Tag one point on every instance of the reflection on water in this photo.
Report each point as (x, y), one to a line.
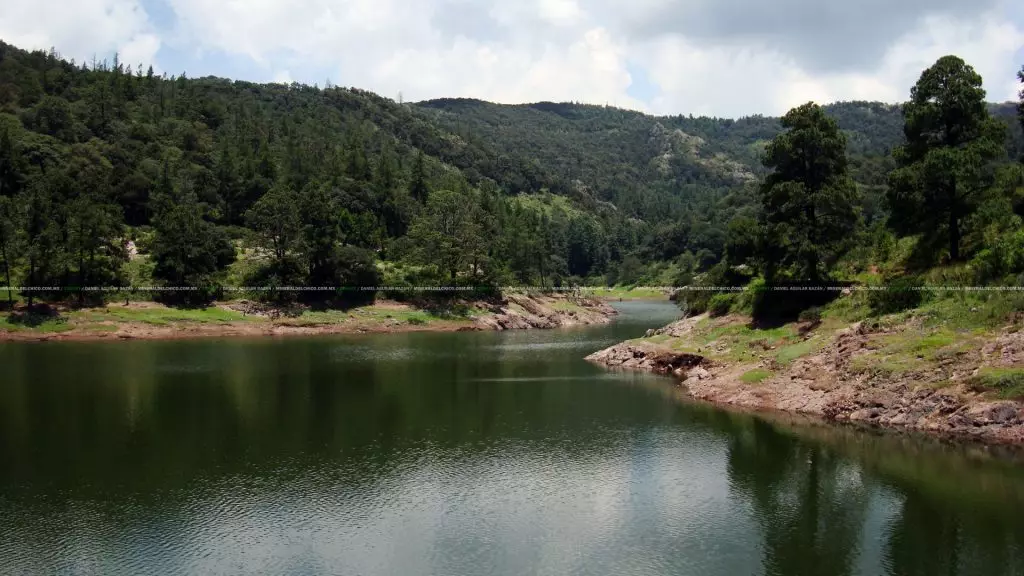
(458, 454)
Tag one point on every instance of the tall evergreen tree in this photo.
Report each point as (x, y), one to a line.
(944, 165)
(809, 200)
(10, 239)
(11, 175)
(449, 233)
(187, 250)
(1020, 105)
(321, 233)
(418, 181)
(42, 237)
(275, 218)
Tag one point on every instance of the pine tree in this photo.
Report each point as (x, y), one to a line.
(418, 181)
(11, 176)
(1020, 105)
(10, 239)
(41, 237)
(448, 233)
(187, 250)
(944, 166)
(321, 234)
(275, 219)
(809, 200)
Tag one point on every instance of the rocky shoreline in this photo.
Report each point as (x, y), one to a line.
(525, 312)
(939, 400)
(512, 312)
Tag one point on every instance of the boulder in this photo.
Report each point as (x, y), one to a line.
(1005, 412)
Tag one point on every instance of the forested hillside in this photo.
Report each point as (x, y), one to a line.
(111, 175)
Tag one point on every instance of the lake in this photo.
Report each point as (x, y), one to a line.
(459, 453)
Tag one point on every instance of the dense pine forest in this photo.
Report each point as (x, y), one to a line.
(114, 176)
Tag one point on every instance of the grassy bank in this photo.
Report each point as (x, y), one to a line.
(953, 367)
(915, 343)
(151, 320)
(139, 319)
(626, 293)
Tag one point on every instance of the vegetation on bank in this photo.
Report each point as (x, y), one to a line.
(936, 286)
(114, 317)
(112, 176)
(953, 230)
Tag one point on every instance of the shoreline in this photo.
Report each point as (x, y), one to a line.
(151, 321)
(840, 379)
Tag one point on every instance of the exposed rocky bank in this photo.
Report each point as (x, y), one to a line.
(843, 381)
(524, 312)
(512, 312)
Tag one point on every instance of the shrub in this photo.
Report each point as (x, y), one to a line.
(1008, 382)
(720, 304)
(896, 295)
(699, 301)
(785, 301)
(811, 315)
(1004, 258)
(356, 268)
(272, 276)
(747, 300)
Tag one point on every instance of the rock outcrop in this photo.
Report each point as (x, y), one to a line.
(524, 312)
(640, 357)
(823, 384)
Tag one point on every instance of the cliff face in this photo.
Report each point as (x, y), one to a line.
(853, 374)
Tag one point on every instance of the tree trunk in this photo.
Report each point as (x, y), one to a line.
(32, 276)
(954, 237)
(7, 273)
(81, 277)
(954, 224)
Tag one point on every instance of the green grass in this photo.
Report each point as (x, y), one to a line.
(107, 319)
(372, 315)
(913, 343)
(756, 376)
(626, 293)
(739, 342)
(788, 354)
(565, 306)
(159, 315)
(1007, 382)
(5, 299)
(886, 366)
(910, 351)
(50, 326)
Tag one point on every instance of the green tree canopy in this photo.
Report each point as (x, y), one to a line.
(275, 219)
(809, 200)
(188, 250)
(944, 165)
(449, 232)
(1020, 105)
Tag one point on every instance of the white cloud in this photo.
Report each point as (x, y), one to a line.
(538, 49)
(561, 12)
(732, 81)
(80, 29)
(592, 69)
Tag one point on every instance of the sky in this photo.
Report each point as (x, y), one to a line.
(725, 58)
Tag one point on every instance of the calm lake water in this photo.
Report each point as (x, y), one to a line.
(451, 454)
